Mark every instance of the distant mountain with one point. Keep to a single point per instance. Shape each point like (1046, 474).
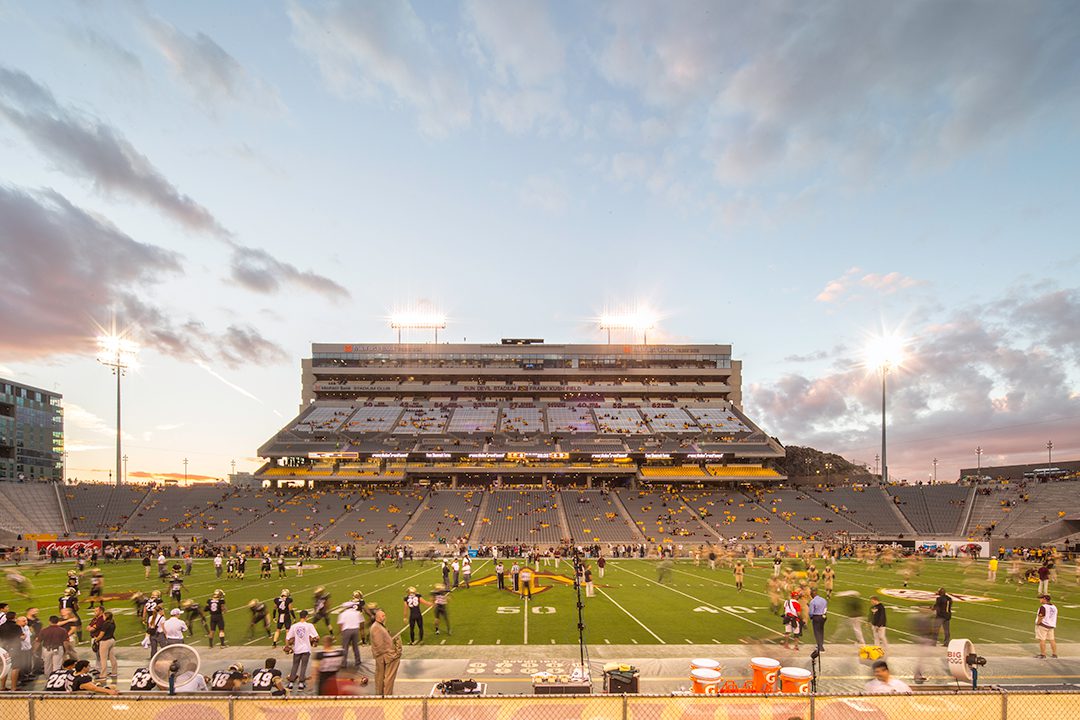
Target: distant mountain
(806, 461)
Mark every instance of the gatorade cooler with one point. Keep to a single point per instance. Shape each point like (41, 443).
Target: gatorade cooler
(764, 674)
(794, 680)
(704, 681)
(705, 664)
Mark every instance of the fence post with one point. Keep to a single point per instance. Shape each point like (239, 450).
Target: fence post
(813, 698)
(625, 707)
(423, 709)
(232, 708)
(30, 708)
(1004, 705)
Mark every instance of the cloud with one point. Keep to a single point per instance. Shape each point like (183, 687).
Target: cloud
(92, 150)
(780, 93)
(847, 285)
(1000, 374)
(93, 42)
(88, 148)
(257, 270)
(518, 44)
(545, 194)
(377, 50)
(70, 269)
(209, 71)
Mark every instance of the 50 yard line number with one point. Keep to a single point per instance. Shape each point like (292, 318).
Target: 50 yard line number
(514, 610)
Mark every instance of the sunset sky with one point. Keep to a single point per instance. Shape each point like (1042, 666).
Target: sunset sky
(233, 181)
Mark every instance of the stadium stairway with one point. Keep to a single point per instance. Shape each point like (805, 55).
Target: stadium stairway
(63, 508)
(134, 513)
(564, 522)
(337, 518)
(694, 514)
(408, 526)
(234, 530)
(847, 516)
(481, 513)
(626, 516)
(11, 518)
(909, 529)
(965, 517)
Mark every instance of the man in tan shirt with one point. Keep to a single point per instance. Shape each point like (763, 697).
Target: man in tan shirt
(387, 652)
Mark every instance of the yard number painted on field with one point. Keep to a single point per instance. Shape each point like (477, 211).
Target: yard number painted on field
(514, 610)
(542, 610)
(739, 609)
(704, 608)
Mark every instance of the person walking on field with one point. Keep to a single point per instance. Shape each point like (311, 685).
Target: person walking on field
(1045, 624)
(991, 569)
(818, 614)
(387, 652)
(1044, 578)
(878, 623)
(942, 615)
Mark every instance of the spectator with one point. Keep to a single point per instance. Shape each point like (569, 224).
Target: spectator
(174, 628)
(1045, 624)
(818, 611)
(883, 683)
(878, 623)
(106, 639)
(1044, 579)
(54, 645)
(11, 636)
(83, 681)
(387, 652)
(942, 615)
(299, 639)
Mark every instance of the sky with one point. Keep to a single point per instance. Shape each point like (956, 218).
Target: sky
(230, 182)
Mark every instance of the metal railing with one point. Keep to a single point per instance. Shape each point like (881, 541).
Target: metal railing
(969, 705)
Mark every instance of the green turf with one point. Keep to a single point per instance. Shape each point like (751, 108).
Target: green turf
(695, 604)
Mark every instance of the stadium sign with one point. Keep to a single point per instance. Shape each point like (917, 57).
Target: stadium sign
(486, 456)
(437, 455)
(610, 456)
(390, 455)
(709, 456)
(68, 547)
(928, 596)
(333, 455)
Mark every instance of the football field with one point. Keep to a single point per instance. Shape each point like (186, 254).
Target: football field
(631, 605)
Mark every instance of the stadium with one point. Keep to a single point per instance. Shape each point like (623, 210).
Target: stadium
(445, 471)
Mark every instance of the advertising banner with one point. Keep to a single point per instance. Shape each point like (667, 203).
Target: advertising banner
(68, 547)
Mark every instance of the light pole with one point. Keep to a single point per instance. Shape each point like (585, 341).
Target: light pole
(118, 354)
(935, 471)
(877, 460)
(125, 467)
(978, 460)
(884, 461)
(185, 469)
(232, 463)
(1049, 453)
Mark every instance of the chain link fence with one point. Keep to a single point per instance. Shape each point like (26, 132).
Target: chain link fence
(978, 705)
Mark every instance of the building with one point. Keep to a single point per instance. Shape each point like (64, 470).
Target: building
(31, 432)
(521, 412)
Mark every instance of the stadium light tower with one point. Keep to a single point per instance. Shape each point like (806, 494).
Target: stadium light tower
(884, 354)
(978, 460)
(119, 355)
(640, 320)
(1049, 453)
(424, 320)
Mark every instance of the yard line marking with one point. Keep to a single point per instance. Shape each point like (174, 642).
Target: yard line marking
(631, 616)
(552, 641)
(717, 641)
(526, 613)
(607, 641)
(470, 642)
(443, 642)
(633, 641)
(704, 602)
(498, 641)
(689, 641)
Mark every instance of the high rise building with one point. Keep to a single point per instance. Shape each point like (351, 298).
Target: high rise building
(31, 432)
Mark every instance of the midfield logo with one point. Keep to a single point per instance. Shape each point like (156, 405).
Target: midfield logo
(537, 576)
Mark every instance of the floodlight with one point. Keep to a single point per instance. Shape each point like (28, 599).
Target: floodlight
(422, 319)
(636, 320)
(119, 354)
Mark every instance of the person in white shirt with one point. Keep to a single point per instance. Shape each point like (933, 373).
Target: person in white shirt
(1045, 624)
(217, 564)
(197, 683)
(174, 628)
(883, 683)
(300, 638)
(350, 620)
